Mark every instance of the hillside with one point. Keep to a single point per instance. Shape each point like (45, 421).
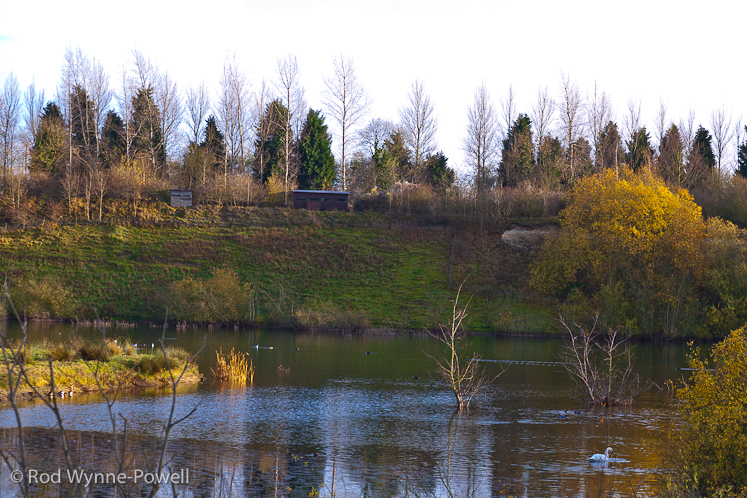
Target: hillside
(313, 270)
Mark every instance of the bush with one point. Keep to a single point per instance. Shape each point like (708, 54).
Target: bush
(45, 298)
(63, 351)
(220, 299)
(725, 197)
(709, 450)
(725, 289)
(92, 351)
(318, 314)
(631, 231)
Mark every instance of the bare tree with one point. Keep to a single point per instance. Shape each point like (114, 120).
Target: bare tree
(723, 133)
(346, 102)
(661, 123)
(482, 143)
(165, 108)
(198, 108)
(10, 117)
(419, 127)
(570, 107)
(262, 98)
(687, 128)
(599, 114)
(602, 365)
(371, 137)
(171, 111)
(234, 114)
(33, 105)
(292, 94)
(542, 113)
(464, 376)
(124, 101)
(633, 118)
(88, 96)
(508, 109)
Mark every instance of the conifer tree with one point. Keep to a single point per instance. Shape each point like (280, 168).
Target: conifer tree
(742, 158)
(315, 153)
(269, 144)
(49, 151)
(517, 158)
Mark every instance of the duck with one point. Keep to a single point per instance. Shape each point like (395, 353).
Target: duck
(598, 457)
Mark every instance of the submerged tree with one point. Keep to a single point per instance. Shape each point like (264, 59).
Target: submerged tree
(601, 364)
(462, 374)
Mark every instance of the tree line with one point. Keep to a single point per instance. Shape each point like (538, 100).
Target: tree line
(96, 139)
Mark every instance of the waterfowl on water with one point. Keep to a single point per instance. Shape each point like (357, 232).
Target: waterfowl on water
(598, 457)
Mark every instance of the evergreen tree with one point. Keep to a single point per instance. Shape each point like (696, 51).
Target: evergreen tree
(315, 152)
(517, 157)
(438, 173)
(149, 139)
(83, 122)
(672, 157)
(113, 145)
(49, 151)
(214, 142)
(640, 151)
(269, 144)
(582, 151)
(399, 161)
(701, 147)
(742, 158)
(610, 153)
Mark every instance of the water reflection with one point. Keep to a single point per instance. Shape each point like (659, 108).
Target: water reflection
(356, 424)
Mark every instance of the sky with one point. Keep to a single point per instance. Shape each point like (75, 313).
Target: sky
(687, 55)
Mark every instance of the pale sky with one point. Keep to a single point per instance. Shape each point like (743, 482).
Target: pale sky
(687, 54)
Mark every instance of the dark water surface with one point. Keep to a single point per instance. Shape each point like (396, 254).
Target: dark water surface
(363, 416)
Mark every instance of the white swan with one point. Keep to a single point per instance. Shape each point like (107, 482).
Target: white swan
(598, 457)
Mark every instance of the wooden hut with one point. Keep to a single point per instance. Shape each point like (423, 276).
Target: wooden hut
(320, 200)
(181, 198)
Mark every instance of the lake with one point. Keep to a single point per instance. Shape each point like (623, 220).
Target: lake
(351, 415)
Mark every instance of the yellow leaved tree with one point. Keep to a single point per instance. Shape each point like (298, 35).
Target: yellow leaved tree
(627, 238)
(709, 450)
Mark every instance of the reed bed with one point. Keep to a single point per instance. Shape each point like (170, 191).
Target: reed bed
(234, 367)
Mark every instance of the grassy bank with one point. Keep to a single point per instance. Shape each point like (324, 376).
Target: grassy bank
(312, 270)
(76, 364)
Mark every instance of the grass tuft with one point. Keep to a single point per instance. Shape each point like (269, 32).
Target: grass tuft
(234, 368)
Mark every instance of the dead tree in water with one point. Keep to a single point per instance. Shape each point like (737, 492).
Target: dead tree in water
(463, 375)
(601, 364)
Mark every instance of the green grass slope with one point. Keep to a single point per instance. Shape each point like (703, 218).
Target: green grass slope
(344, 270)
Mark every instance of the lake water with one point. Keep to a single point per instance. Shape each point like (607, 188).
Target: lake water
(357, 416)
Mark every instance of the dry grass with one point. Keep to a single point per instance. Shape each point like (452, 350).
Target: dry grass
(234, 368)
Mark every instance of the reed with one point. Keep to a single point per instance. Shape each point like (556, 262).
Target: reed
(234, 367)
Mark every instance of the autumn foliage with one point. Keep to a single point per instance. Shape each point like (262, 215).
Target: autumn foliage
(632, 245)
(709, 451)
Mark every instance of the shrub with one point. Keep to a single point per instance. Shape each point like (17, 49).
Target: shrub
(709, 450)
(632, 230)
(220, 299)
(45, 298)
(725, 289)
(63, 351)
(151, 364)
(92, 351)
